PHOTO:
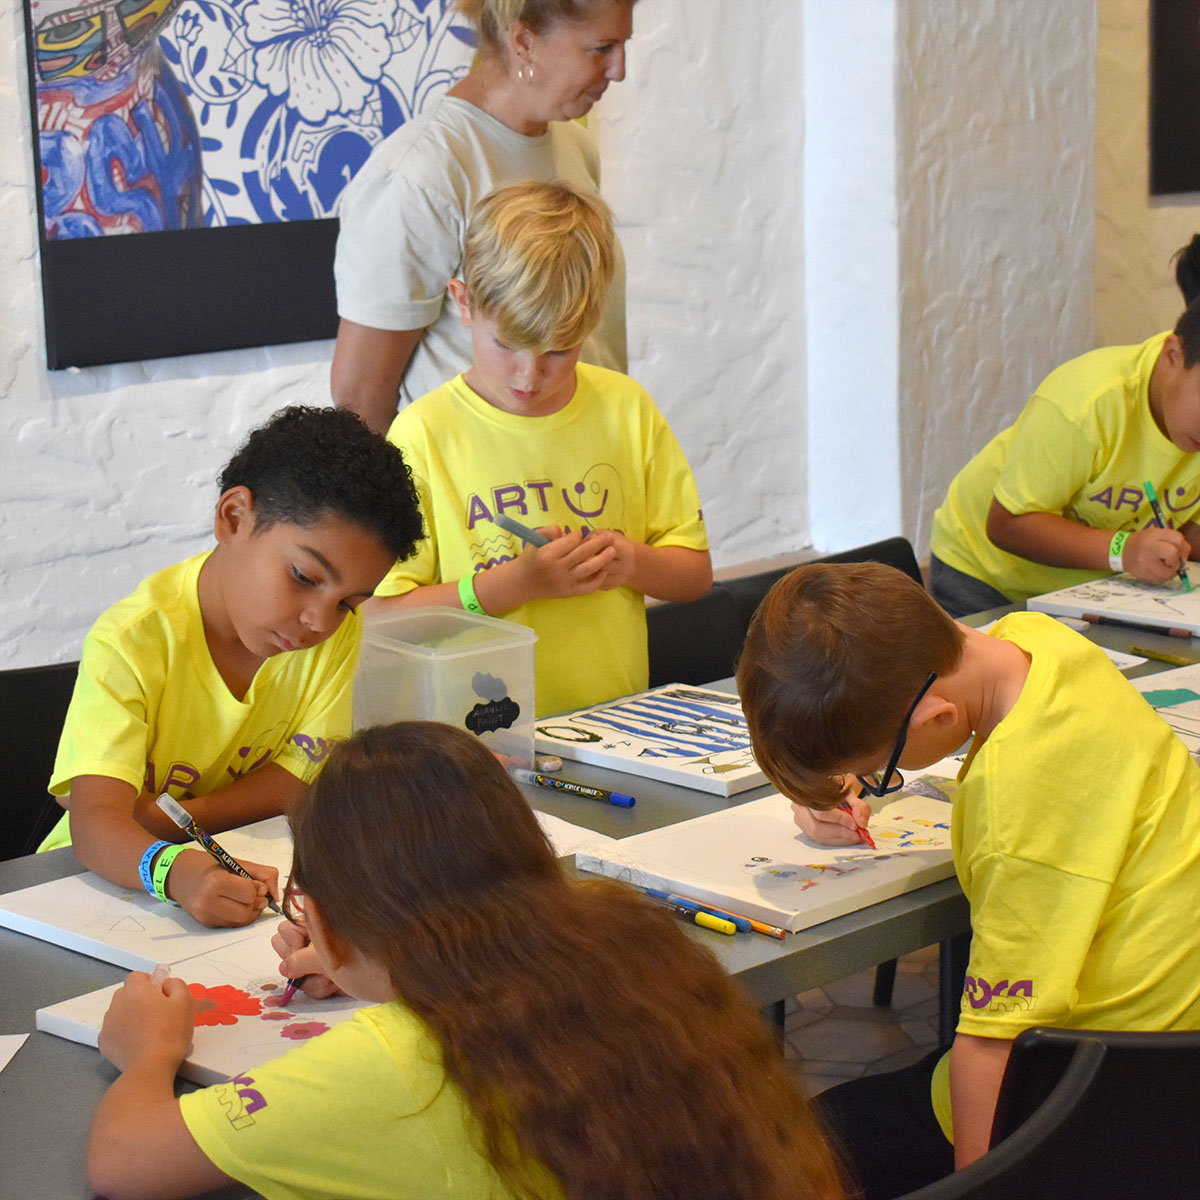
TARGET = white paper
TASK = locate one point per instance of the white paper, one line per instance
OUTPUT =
(240, 1023)
(692, 736)
(129, 928)
(752, 859)
(567, 838)
(10, 1043)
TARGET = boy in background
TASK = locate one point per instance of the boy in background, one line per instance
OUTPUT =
(1076, 829)
(1059, 497)
(222, 679)
(580, 452)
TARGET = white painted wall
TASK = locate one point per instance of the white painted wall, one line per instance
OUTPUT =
(1136, 234)
(996, 221)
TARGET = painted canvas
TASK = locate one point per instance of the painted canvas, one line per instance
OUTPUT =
(753, 860)
(1175, 695)
(695, 737)
(129, 928)
(227, 130)
(1122, 598)
(240, 1018)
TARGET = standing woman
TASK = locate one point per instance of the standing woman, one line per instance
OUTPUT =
(542, 63)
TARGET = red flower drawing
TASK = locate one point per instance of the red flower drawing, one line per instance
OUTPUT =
(223, 1005)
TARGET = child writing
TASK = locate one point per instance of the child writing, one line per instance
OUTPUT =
(1076, 829)
(530, 432)
(222, 679)
(534, 1036)
(1059, 497)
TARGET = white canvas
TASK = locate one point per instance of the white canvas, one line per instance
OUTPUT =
(752, 860)
(692, 736)
(240, 1022)
(1175, 695)
(1123, 599)
(129, 928)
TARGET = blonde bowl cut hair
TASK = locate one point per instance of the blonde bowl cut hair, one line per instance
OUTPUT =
(492, 18)
(538, 261)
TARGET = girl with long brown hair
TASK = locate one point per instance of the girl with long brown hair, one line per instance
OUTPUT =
(536, 1036)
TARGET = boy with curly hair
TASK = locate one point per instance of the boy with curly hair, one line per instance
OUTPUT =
(222, 679)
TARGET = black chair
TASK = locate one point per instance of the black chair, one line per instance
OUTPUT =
(35, 703)
(695, 641)
(1086, 1113)
(749, 590)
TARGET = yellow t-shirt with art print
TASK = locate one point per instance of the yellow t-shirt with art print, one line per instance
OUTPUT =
(151, 709)
(1083, 447)
(1076, 836)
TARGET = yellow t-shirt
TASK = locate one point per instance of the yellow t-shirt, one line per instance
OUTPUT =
(607, 460)
(1076, 834)
(151, 709)
(364, 1110)
(1082, 447)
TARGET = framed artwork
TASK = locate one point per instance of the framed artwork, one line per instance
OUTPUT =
(1174, 96)
(191, 154)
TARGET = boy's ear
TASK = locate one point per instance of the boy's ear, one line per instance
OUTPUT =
(934, 708)
(235, 511)
(458, 290)
(1172, 352)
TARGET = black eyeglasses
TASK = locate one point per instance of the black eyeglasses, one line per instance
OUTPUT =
(881, 783)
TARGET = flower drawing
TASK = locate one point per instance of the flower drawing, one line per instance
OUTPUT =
(301, 1030)
(324, 56)
(223, 1004)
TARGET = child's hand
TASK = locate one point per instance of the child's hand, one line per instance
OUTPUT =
(620, 567)
(298, 960)
(572, 564)
(215, 896)
(1155, 555)
(146, 1020)
(833, 826)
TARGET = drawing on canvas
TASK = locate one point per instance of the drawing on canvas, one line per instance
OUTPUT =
(1122, 596)
(688, 735)
(240, 1017)
(1175, 695)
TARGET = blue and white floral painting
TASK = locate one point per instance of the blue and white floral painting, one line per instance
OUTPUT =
(162, 114)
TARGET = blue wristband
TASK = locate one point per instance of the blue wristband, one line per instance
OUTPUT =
(147, 862)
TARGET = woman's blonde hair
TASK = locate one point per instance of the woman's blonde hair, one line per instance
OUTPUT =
(589, 1034)
(493, 17)
(539, 261)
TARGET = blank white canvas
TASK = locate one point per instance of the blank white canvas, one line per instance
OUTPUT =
(1124, 598)
(752, 860)
(242, 976)
(126, 926)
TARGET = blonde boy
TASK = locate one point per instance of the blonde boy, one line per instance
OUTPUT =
(577, 451)
(1076, 829)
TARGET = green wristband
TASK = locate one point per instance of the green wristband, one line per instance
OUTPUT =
(1115, 549)
(467, 597)
(161, 866)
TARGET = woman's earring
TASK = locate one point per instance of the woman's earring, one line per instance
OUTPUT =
(525, 72)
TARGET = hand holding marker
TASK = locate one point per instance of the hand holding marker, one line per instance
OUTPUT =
(183, 819)
(522, 531)
(1152, 496)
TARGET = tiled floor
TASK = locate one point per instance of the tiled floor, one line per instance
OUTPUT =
(835, 1032)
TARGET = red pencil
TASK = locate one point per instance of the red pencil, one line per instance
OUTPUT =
(863, 835)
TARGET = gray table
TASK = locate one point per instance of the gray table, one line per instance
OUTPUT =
(50, 1090)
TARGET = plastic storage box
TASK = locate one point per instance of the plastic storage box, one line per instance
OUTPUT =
(444, 664)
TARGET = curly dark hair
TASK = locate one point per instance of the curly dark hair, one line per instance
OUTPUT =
(307, 463)
(588, 1033)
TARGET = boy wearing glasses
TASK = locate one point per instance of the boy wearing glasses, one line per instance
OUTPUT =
(1076, 829)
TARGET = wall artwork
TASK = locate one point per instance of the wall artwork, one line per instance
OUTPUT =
(216, 138)
(1174, 96)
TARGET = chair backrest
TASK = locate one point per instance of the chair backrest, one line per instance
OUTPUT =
(694, 642)
(34, 700)
(749, 590)
(1087, 1113)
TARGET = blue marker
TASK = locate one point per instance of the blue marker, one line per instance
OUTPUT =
(740, 923)
(518, 530)
(620, 799)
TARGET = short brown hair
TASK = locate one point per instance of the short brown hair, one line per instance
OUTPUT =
(834, 656)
